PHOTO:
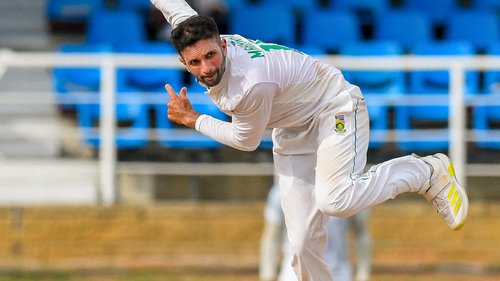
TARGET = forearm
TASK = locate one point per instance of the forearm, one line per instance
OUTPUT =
(226, 133)
(174, 11)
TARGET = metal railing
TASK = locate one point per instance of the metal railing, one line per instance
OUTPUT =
(108, 63)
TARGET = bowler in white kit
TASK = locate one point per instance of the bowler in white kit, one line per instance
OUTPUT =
(320, 132)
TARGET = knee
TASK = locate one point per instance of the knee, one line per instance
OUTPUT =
(334, 208)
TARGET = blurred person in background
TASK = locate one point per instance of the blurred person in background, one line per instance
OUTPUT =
(275, 247)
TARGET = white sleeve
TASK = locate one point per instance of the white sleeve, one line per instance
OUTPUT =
(174, 11)
(249, 120)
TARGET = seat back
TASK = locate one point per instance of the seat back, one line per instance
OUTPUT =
(117, 27)
(437, 13)
(330, 29)
(479, 28)
(407, 28)
(268, 23)
(148, 79)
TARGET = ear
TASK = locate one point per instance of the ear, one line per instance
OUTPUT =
(181, 59)
(184, 63)
(223, 45)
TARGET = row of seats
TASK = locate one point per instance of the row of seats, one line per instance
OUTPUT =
(134, 85)
(326, 26)
(330, 28)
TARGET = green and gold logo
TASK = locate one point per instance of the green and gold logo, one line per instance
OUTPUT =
(340, 123)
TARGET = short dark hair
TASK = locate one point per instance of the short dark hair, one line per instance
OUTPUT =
(192, 30)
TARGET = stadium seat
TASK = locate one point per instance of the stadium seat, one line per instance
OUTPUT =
(138, 5)
(484, 118)
(486, 5)
(481, 29)
(72, 11)
(437, 13)
(427, 83)
(330, 29)
(148, 80)
(116, 27)
(366, 10)
(268, 23)
(70, 82)
(131, 116)
(376, 83)
(298, 6)
(372, 6)
(407, 28)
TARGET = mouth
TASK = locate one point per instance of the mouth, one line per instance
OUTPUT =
(210, 77)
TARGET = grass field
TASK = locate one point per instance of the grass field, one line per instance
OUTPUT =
(243, 275)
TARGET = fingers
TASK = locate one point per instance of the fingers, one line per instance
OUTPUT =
(173, 94)
(170, 91)
(183, 93)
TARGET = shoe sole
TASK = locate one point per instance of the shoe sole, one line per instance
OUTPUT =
(461, 196)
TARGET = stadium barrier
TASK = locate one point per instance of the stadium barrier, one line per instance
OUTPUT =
(458, 134)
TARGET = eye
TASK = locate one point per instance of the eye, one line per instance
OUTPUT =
(194, 62)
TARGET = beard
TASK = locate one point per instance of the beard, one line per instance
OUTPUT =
(214, 78)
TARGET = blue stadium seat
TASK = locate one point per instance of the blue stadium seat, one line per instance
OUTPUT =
(486, 5)
(70, 81)
(428, 83)
(84, 85)
(372, 6)
(296, 5)
(268, 23)
(72, 11)
(330, 29)
(366, 10)
(116, 27)
(481, 29)
(132, 118)
(407, 28)
(139, 5)
(149, 79)
(438, 13)
(376, 83)
(484, 117)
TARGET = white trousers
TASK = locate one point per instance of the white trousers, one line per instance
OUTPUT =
(320, 171)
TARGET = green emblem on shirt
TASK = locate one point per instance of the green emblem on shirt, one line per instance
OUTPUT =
(256, 48)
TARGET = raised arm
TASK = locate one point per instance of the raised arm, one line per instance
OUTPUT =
(174, 11)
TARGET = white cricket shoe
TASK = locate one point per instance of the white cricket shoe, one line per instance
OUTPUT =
(446, 193)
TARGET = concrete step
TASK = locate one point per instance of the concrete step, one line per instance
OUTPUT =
(45, 182)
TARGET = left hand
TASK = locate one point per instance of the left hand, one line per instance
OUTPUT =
(180, 109)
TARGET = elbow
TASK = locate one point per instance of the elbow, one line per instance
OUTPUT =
(248, 148)
(247, 145)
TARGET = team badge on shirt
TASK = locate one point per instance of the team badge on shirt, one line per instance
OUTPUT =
(340, 123)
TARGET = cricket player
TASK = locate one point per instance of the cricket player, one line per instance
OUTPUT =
(274, 244)
(320, 132)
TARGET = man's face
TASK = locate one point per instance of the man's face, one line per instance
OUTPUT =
(206, 60)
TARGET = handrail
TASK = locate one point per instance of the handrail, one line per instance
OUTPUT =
(457, 65)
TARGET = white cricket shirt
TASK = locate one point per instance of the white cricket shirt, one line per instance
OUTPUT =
(267, 86)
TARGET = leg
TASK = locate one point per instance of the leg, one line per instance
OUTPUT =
(361, 231)
(341, 188)
(272, 236)
(337, 256)
(305, 223)
(343, 191)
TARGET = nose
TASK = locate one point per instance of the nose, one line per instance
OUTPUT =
(207, 67)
